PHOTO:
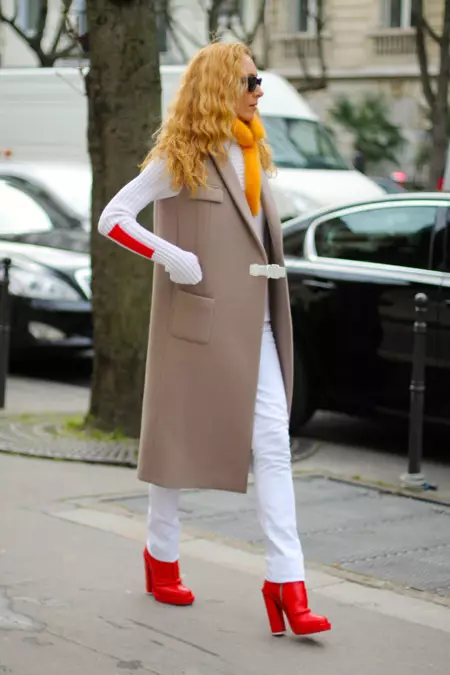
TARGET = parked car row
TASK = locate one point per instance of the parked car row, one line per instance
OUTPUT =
(353, 274)
(50, 277)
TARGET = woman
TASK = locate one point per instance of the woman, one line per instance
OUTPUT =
(219, 370)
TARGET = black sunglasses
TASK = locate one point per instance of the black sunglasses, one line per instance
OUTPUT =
(253, 82)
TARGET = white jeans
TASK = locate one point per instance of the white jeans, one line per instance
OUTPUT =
(273, 481)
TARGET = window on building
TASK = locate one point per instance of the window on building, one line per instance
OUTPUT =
(79, 7)
(231, 7)
(306, 16)
(28, 15)
(397, 13)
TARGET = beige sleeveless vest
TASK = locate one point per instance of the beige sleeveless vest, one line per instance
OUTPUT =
(205, 340)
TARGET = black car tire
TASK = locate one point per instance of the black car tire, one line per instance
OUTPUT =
(302, 405)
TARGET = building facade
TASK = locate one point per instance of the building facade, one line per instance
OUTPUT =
(178, 38)
(368, 46)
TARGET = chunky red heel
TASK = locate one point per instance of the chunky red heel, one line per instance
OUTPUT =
(276, 618)
(148, 575)
(164, 581)
(291, 599)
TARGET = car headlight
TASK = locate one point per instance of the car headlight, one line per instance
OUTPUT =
(40, 286)
(84, 279)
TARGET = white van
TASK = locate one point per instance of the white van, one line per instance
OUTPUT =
(43, 132)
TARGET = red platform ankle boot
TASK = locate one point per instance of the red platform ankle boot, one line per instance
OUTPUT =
(291, 599)
(164, 582)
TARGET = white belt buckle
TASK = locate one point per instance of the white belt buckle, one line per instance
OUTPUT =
(276, 272)
(257, 270)
(269, 271)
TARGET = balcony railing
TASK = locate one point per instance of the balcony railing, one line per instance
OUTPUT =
(298, 44)
(394, 42)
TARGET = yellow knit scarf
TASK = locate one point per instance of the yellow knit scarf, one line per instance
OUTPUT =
(248, 135)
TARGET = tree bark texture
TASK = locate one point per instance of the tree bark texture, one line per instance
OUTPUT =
(124, 92)
(437, 96)
(441, 109)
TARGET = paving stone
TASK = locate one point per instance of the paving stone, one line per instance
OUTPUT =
(382, 535)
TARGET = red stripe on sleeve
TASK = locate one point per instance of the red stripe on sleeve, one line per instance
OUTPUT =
(130, 242)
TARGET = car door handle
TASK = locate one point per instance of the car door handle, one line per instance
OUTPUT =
(315, 283)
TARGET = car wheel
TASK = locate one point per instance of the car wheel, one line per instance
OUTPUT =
(302, 404)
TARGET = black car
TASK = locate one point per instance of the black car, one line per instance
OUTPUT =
(353, 275)
(50, 275)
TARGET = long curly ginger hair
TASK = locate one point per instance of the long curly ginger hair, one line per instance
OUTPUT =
(200, 118)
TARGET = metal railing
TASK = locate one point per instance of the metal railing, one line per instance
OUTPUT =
(4, 328)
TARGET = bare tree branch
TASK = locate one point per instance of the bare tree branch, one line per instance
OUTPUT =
(12, 22)
(242, 34)
(34, 41)
(303, 61)
(320, 24)
(65, 9)
(42, 21)
(444, 65)
(16, 10)
(167, 11)
(182, 30)
(422, 54)
(183, 53)
(67, 51)
(310, 82)
(213, 19)
(432, 33)
(251, 35)
(203, 6)
(436, 96)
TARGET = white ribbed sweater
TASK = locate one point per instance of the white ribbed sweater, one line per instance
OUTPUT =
(150, 185)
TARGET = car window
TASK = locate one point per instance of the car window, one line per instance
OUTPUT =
(302, 144)
(20, 214)
(397, 235)
(294, 243)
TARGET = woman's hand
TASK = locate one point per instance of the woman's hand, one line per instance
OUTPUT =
(184, 269)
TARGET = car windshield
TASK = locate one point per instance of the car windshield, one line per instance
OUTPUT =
(302, 144)
(20, 213)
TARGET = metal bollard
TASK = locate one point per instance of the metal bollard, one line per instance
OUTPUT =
(414, 478)
(4, 329)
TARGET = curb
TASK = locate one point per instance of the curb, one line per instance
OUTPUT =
(385, 489)
(302, 449)
(39, 454)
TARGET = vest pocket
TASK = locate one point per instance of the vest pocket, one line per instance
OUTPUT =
(192, 317)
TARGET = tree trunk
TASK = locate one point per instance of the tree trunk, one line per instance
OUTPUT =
(440, 109)
(436, 97)
(439, 143)
(124, 92)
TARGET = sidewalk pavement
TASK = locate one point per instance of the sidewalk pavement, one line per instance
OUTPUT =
(72, 595)
(28, 396)
(71, 578)
(32, 404)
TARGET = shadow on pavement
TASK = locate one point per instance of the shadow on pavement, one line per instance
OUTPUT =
(75, 370)
(385, 434)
